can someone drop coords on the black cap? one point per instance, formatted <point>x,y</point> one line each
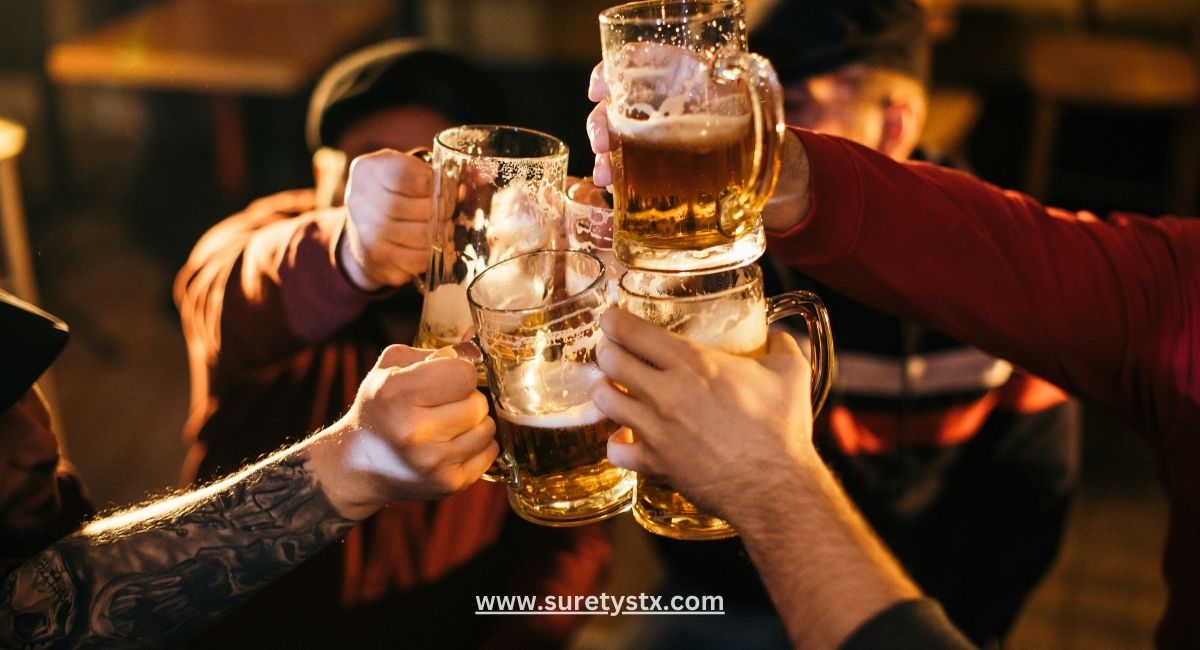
<point>400,72</point>
<point>30,340</point>
<point>803,38</point>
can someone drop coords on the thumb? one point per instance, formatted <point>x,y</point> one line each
<point>784,354</point>
<point>400,356</point>
<point>424,377</point>
<point>624,451</point>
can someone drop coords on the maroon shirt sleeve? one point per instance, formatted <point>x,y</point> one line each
<point>1109,310</point>
<point>1106,309</point>
<point>263,283</point>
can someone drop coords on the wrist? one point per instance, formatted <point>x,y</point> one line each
<point>352,269</point>
<point>791,201</point>
<point>352,493</point>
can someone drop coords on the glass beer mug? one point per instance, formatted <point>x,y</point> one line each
<point>588,218</point>
<point>696,126</point>
<point>727,310</point>
<point>497,193</point>
<point>536,320</point>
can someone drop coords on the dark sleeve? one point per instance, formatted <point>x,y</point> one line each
<point>1011,535</point>
<point>910,625</point>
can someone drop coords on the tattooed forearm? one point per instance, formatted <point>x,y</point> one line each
<point>160,573</point>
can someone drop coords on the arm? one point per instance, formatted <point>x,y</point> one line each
<point>154,575</point>
<point>750,459</point>
<point>279,276</point>
<point>1100,308</point>
<point>1103,309</point>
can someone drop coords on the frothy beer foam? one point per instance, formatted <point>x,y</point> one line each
<point>539,389</point>
<point>577,416</point>
<point>699,131</point>
<point>447,312</point>
<point>737,331</point>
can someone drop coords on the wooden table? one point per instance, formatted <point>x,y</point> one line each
<point>225,49</point>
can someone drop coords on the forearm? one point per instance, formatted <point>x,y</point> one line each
<point>818,558</point>
<point>157,574</point>
<point>994,268</point>
<point>264,283</point>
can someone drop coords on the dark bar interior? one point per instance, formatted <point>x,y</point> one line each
<point>145,122</point>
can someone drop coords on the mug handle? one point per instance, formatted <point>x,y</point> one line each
<point>501,470</point>
<point>820,337</point>
<point>426,155</point>
<point>736,214</point>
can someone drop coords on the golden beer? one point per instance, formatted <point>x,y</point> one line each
<point>695,126</point>
<point>561,458</point>
<point>657,506</point>
<point>681,183</point>
<point>536,317</point>
<point>729,311</point>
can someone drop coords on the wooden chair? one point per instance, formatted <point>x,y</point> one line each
<point>16,272</point>
<point>18,263</point>
<point>1088,68</point>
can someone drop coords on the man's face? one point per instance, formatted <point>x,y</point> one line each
<point>29,498</point>
<point>836,103</point>
<point>400,128</point>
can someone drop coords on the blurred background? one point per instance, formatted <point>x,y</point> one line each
<point>1087,104</point>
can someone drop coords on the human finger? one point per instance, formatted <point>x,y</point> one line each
<point>597,86</point>
<point>629,455</point>
<point>434,382</point>
<point>623,409</point>
<point>446,421</point>
<point>602,170</point>
<point>597,128</point>
<point>626,369</point>
<point>400,356</point>
<point>467,445</point>
<point>396,172</point>
<point>657,346</point>
<point>481,462</point>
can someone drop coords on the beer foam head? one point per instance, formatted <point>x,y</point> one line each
<point>691,130</point>
<point>540,388</point>
<point>732,328</point>
<point>446,311</point>
<point>575,416</point>
<point>543,279</point>
<point>523,219</point>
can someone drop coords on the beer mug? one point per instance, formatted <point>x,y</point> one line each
<point>588,218</point>
<point>536,318</point>
<point>727,310</point>
<point>695,126</point>
<point>497,193</point>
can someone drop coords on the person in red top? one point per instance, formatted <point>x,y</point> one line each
<point>285,304</point>
<point>963,465</point>
<point>984,265</point>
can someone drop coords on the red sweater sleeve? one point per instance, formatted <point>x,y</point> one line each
<point>1107,309</point>
<point>263,283</point>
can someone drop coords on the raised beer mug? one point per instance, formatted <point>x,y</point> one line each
<point>695,126</point>
<point>727,310</point>
<point>497,193</point>
<point>588,218</point>
<point>537,321</point>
